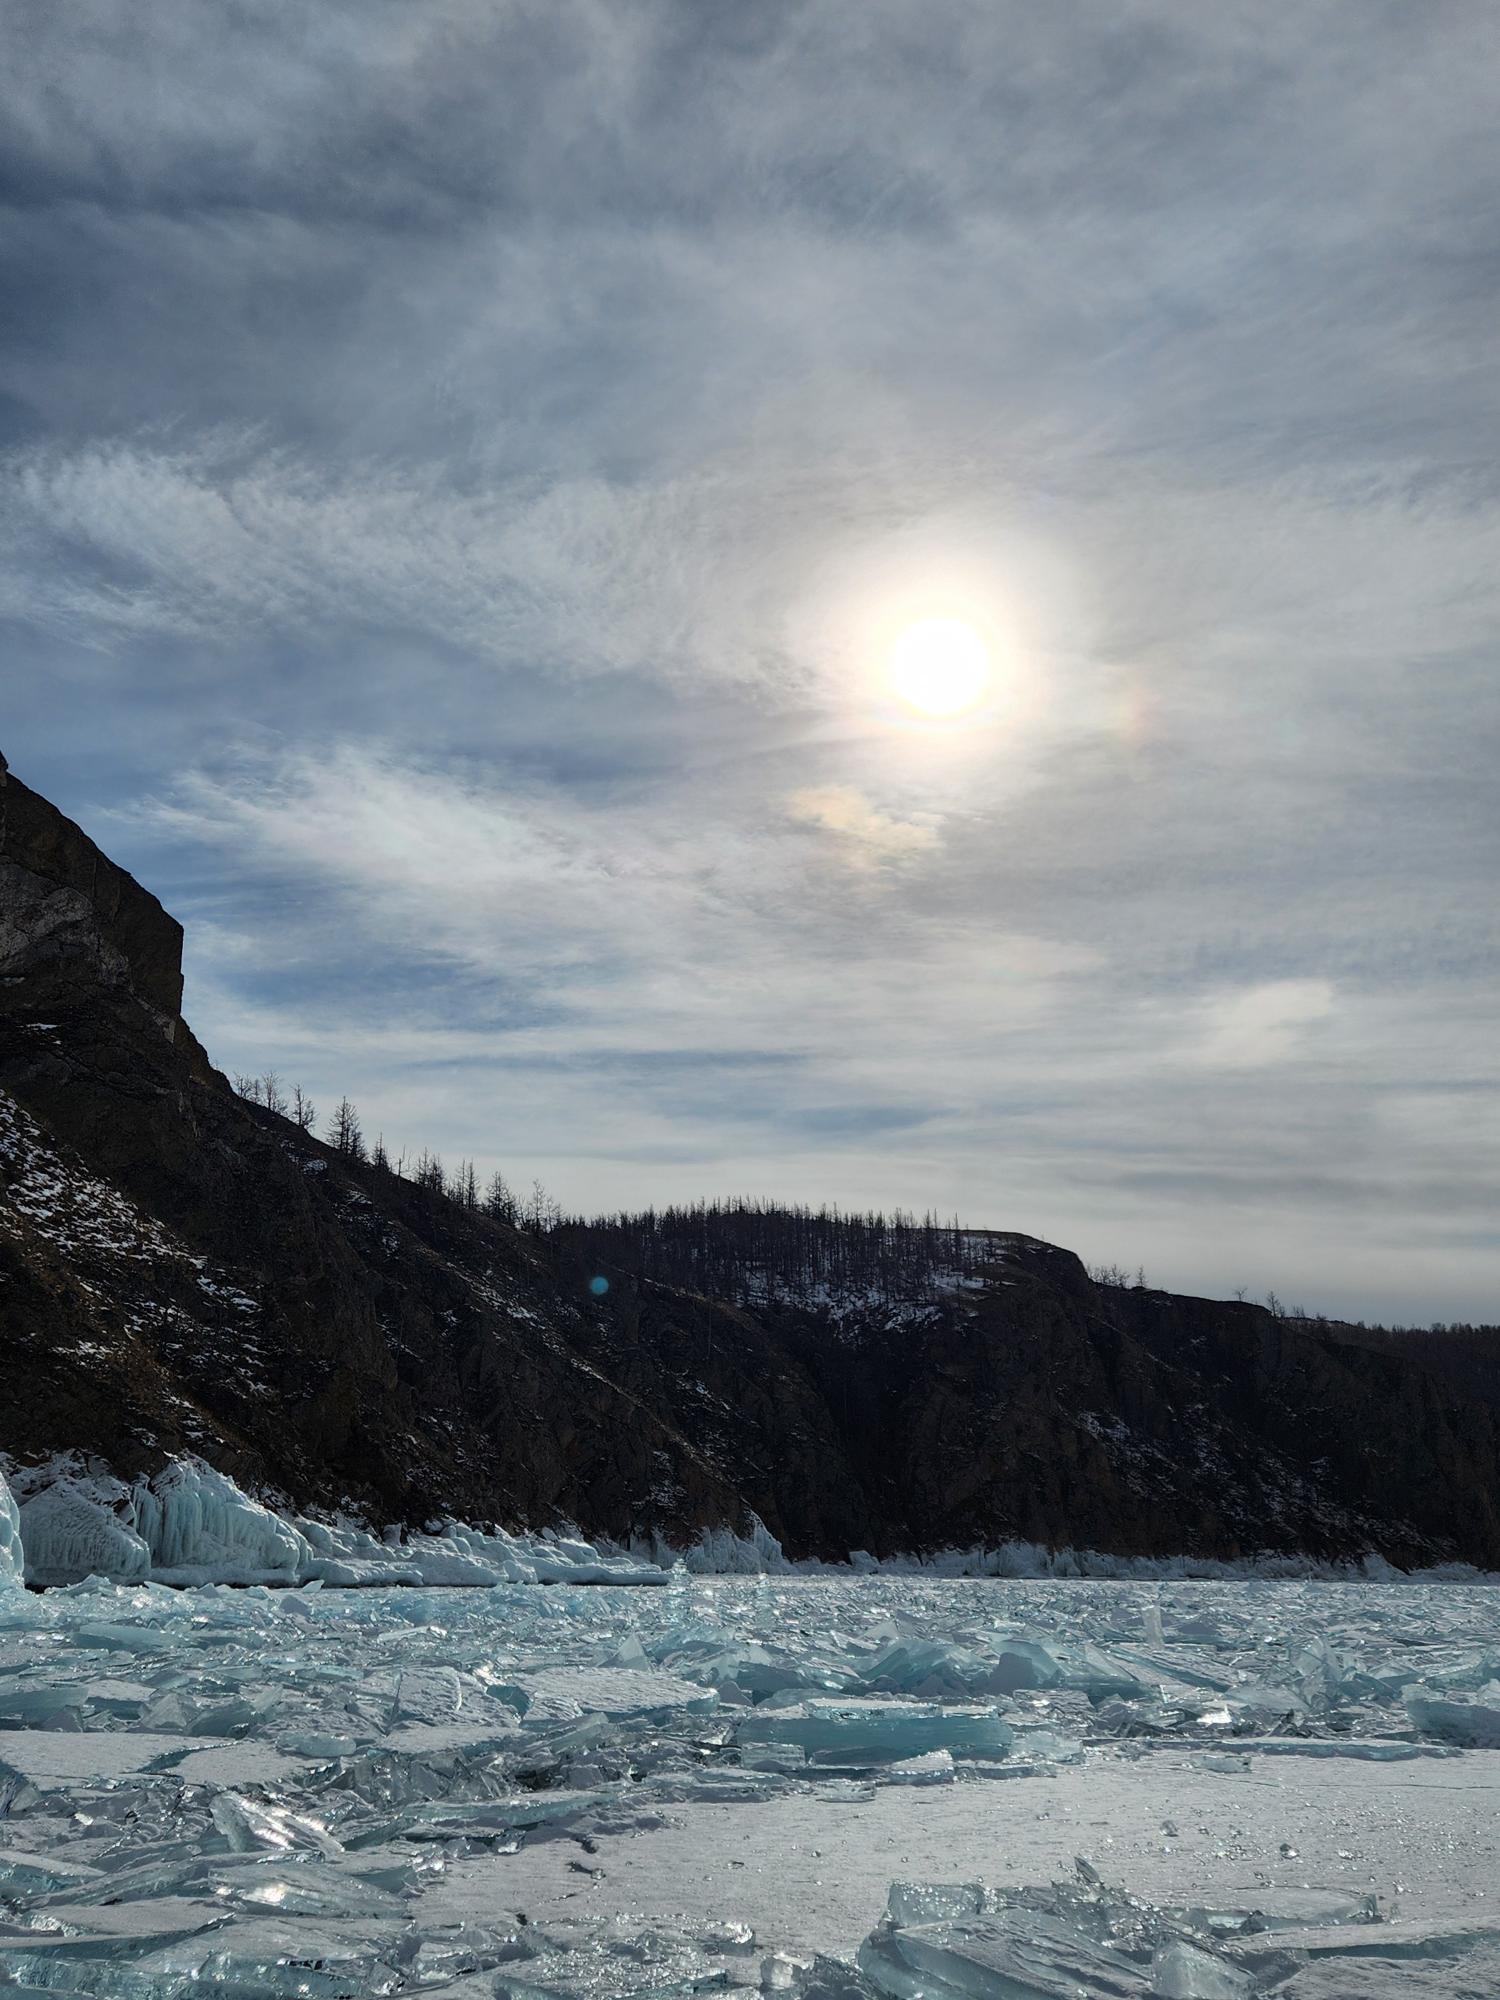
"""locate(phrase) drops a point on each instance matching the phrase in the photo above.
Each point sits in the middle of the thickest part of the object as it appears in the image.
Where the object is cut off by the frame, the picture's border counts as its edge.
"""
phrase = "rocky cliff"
(73, 922)
(184, 1272)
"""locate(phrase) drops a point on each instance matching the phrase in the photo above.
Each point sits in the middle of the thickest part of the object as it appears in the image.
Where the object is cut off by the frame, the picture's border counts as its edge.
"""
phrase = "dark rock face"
(181, 1271)
(69, 917)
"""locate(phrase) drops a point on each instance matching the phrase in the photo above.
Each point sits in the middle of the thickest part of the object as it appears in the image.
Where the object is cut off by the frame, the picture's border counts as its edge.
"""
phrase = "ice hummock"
(1472, 1721)
(1004, 1954)
(79, 1524)
(200, 1528)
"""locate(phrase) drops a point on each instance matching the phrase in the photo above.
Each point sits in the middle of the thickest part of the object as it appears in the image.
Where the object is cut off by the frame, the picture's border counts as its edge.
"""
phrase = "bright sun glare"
(940, 666)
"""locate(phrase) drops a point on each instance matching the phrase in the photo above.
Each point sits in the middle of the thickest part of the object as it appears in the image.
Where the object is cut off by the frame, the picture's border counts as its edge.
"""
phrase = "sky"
(464, 468)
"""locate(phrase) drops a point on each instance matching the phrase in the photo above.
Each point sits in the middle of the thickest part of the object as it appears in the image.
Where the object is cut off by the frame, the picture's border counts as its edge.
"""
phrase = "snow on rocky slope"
(396, 1361)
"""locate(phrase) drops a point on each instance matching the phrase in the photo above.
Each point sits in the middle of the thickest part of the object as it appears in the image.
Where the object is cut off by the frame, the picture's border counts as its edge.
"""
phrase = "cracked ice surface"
(1181, 1790)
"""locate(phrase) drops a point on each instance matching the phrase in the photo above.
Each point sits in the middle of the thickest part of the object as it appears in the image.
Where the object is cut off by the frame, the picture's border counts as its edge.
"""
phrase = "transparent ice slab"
(1473, 1724)
(858, 1734)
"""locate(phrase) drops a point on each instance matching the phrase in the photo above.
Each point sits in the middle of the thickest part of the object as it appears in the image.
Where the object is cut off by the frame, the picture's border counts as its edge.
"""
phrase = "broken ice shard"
(855, 1734)
(1473, 1723)
(1012, 1954)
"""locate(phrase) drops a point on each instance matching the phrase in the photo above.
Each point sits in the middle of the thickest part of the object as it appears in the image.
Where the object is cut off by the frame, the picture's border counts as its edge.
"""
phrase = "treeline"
(1464, 1353)
(738, 1249)
(750, 1250)
(1121, 1280)
(754, 1249)
(536, 1211)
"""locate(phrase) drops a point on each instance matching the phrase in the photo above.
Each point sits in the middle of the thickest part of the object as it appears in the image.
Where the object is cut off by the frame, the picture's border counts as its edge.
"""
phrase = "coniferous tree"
(345, 1135)
(542, 1212)
(498, 1199)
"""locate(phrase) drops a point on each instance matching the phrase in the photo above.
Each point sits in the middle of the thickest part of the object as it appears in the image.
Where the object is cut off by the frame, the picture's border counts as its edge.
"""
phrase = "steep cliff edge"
(181, 1272)
(73, 923)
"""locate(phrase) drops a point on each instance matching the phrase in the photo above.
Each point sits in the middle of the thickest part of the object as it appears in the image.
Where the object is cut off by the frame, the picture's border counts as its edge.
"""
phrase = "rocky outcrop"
(184, 1275)
(70, 917)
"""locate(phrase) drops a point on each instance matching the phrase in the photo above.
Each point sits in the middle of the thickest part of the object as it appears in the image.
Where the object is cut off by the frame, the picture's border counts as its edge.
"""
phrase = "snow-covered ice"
(836, 1788)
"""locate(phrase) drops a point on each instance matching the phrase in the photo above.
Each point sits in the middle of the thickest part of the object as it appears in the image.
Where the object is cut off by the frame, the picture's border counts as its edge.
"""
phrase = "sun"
(940, 666)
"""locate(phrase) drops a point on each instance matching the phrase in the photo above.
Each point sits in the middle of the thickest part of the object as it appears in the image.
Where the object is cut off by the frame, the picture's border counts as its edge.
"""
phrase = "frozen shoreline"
(189, 1525)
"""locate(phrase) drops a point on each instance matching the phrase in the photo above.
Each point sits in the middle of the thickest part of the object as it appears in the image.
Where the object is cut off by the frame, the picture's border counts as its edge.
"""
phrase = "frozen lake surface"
(1175, 1789)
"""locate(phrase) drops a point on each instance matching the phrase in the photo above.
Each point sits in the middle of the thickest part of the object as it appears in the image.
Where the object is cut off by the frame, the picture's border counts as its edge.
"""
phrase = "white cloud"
(537, 415)
(680, 992)
(1263, 1025)
(679, 920)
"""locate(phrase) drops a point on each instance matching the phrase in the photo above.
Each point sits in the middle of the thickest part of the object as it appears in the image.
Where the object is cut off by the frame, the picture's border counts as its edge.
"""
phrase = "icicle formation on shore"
(190, 1524)
(10, 1538)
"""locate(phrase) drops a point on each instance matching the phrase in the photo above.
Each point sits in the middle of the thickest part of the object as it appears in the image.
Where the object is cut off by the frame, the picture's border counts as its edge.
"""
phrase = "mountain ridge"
(183, 1272)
